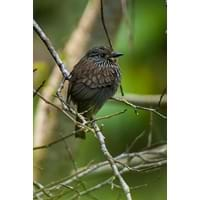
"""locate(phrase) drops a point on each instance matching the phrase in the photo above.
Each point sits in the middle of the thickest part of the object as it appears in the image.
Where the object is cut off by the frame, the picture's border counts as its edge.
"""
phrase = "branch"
(91, 189)
(138, 161)
(136, 107)
(104, 150)
(40, 186)
(146, 100)
(38, 89)
(64, 109)
(161, 97)
(54, 142)
(100, 185)
(51, 49)
(108, 38)
(104, 26)
(54, 105)
(109, 116)
(68, 136)
(69, 152)
(110, 159)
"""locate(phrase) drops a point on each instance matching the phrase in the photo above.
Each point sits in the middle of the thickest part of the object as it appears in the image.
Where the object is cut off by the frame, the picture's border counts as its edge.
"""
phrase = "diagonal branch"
(54, 142)
(51, 49)
(110, 159)
(38, 89)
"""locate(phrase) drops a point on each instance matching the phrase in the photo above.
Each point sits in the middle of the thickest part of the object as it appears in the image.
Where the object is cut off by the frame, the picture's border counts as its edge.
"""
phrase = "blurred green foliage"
(144, 72)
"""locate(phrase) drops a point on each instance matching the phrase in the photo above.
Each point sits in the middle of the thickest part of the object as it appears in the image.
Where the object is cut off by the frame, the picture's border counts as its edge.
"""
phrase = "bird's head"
(103, 53)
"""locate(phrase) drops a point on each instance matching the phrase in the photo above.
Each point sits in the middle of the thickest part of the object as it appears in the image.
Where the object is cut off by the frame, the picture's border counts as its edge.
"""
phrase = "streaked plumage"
(94, 79)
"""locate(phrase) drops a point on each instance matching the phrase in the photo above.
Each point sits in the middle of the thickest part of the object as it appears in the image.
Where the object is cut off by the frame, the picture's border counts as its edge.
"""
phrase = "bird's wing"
(93, 75)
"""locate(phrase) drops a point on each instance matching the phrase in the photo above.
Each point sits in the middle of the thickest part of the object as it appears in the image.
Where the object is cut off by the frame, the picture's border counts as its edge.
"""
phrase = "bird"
(93, 80)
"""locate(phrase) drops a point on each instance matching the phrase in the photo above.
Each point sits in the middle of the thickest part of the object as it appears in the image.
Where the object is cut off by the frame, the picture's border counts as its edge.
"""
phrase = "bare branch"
(104, 26)
(54, 142)
(54, 105)
(102, 184)
(140, 161)
(38, 89)
(105, 151)
(51, 49)
(110, 159)
(134, 141)
(109, 116)
(123, 100)
(91, 189)
(83, 124)
(108, 38)
(68, 149)
(40, 186)
(146, 100)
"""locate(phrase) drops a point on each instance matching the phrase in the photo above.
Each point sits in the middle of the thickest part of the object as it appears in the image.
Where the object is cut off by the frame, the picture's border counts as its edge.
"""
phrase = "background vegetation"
(143, 68)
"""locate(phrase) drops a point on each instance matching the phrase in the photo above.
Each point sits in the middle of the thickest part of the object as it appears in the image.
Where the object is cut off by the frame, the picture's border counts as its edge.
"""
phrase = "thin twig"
(161, 97)
(55, 106)
(108, 38)
(146, 100)
(38, 89)
(109, 116)
(121, 89)
(61, 87)
(102, 184)
(68, 149)
(40, 186)
(104, 26)
(139, 107)
(135, 140)
(51, 49)
(91, 189)
(54, 142)
(71, 188)
(110, 159)
(72, 111)
(82, 125)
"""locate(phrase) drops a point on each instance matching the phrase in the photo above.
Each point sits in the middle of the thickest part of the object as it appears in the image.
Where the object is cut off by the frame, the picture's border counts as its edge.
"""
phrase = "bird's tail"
(78, 132)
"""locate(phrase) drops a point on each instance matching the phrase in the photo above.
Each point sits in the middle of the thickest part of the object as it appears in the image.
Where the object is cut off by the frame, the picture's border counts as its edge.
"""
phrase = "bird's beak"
(115, 54)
